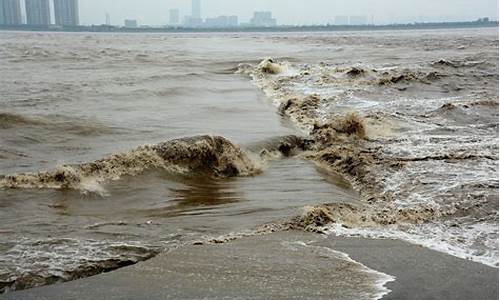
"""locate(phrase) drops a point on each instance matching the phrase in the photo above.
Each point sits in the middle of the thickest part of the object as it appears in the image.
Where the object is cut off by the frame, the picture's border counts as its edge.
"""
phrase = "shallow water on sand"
(56, 233)
(70, 98)
(73, 98)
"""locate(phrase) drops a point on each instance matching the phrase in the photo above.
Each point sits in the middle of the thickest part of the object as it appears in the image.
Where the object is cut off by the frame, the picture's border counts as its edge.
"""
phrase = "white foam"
(62, 258)
(92, 185)
(433, 236)
(426, 178)
(381, 278)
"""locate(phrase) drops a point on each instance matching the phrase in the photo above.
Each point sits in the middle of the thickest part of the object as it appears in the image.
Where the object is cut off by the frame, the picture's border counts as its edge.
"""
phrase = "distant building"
(131, 24)
(66, 12)
(108, 19)
(10, 12)
(358, 20)
(341, 20)
(38, 12)
(174, 17)
(196, 9)
(263, 19)
(192, 22)
(221, 22)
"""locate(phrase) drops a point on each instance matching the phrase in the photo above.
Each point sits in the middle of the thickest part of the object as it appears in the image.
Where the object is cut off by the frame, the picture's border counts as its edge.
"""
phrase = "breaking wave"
(425, 162)
(206, 155)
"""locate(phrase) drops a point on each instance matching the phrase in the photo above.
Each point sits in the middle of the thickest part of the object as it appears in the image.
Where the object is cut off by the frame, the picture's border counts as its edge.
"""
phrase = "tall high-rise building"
(10, 12)
(38, 12)
(66, 12)
(174, 18)
(196, 9)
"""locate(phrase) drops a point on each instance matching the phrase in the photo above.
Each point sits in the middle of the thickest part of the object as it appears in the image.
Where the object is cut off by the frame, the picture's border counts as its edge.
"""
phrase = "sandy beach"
(261, 267)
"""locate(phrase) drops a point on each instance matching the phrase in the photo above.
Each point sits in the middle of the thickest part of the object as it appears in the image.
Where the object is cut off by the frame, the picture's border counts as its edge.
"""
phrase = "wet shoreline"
(263, 267)
(385, 146)
(177, 210)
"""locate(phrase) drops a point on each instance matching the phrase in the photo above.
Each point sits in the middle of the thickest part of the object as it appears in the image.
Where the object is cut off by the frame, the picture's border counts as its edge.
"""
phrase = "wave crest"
(201, 155)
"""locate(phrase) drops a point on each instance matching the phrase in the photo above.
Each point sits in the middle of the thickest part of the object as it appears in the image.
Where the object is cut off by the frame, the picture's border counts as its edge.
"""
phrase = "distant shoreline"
(314, 28)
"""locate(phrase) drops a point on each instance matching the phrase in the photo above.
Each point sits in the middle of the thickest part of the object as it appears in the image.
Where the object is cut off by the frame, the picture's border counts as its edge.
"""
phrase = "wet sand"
(270, 267)
(421, 273)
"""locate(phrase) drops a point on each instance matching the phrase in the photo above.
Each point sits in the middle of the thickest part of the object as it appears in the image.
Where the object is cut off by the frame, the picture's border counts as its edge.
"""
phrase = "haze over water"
(297, 12)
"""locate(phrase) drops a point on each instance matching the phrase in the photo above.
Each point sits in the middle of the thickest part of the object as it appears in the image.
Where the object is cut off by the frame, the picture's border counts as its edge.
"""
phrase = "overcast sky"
(155, 12)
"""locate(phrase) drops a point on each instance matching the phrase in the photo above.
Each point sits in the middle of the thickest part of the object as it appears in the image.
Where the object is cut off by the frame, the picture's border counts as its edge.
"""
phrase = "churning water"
(87, 185)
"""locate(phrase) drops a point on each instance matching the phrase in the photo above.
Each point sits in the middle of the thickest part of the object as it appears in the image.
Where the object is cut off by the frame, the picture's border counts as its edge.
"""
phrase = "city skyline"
(301, 12)
(200, 13)
(39, 12)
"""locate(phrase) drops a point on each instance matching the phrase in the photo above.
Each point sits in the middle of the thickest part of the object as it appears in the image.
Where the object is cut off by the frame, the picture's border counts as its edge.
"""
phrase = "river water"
(71, 98)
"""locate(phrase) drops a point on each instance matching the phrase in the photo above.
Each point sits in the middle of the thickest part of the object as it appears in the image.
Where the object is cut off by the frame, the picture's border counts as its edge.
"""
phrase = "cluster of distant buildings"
(39, 12)
(195, 20)
(66, 14)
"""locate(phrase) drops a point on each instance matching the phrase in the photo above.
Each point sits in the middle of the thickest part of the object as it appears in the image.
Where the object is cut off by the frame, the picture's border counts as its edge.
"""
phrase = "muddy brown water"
(69, 98)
